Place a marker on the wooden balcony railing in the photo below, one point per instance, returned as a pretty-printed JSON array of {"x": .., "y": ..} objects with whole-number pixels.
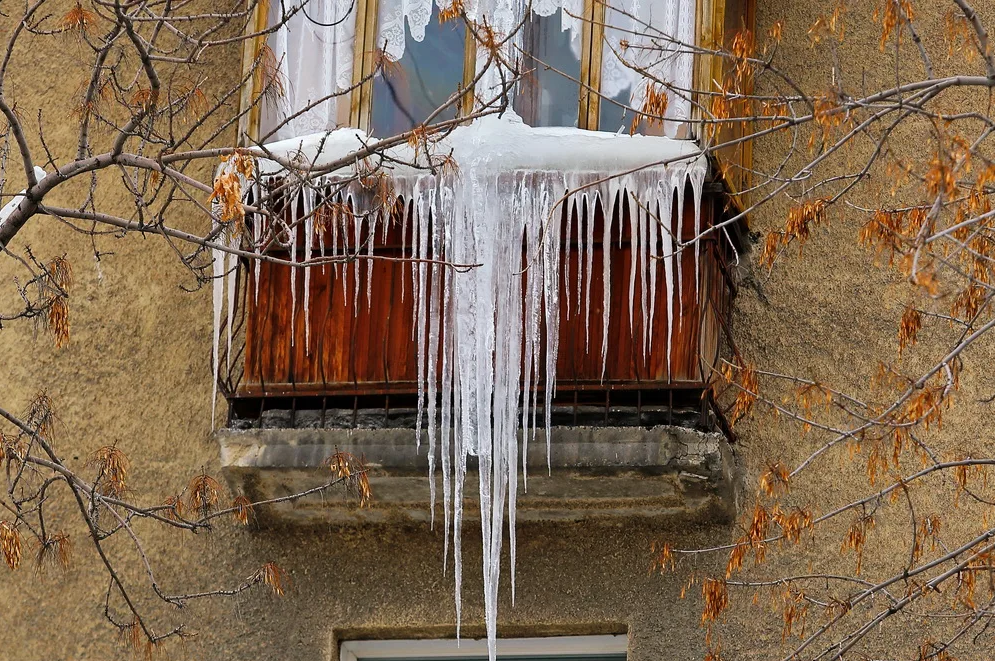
[{"x": 348, "y": 339}]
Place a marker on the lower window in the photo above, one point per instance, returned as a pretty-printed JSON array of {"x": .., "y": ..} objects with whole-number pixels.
[{"x": 563, "y": 648}]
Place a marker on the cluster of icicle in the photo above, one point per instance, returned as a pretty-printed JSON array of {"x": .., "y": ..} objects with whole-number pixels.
[{"x": 469, "y": 323}]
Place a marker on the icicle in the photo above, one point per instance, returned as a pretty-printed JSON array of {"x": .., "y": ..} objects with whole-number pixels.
[
  {"x": 257, "y": 238},
  {"x": 682, "y": 175},
  {"x": 218, "y": 263},
  {"x": 415, "y": 233},
  {"x": 666, "y": 210},
  {"x": 325, "y": 201},
  {"x": 293, "y": 268},
  {"x": 460, "y": 452},
  {"x": 634, "y": 214},
  {"x": 371, "y": 241},
  {"x": 697, "y": 176},
  {"x": 344, "y": 264},
  {"x": 420, "y": 211},
  {"x": 433, "y": 347},
  {"x": 608, "y": 208},
  {"x": 309, "y": 210},
  {"x": 654, "y": 219},
  {"x": 645, "y": 264},
  {"x": 533, "y": 279},
  {"x": 590, "y": 202},
  {"x": 678, "y": 227},
  {"x": 404, "y": 238},
  {"x": 231, "y": 274},
  {"x": 353, "y": 252},
  {"x": 447, "y": 341},
  {"x": 551, "y": 267},
  {"x": 335, "y": 218},
  {"x": 578, "y": 205},
  {"x": 567, "y": 234}
]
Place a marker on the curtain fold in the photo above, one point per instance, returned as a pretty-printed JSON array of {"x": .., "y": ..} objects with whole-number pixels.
[{"x": 314, "y": 53}]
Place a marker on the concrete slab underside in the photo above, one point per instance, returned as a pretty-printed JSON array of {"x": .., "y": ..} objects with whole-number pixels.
[{"x": 595, "y": 472}]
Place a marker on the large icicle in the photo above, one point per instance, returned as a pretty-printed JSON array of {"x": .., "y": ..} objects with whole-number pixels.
[
  {"x": 294, "y": 219},
  {"x": 218, "y": 263},
  {"x": 480, "y": 364},
  {"x": 608, "y": 205}
]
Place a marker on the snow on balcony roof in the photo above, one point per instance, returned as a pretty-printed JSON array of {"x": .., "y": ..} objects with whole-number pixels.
[{"x": 498, "y": 143}]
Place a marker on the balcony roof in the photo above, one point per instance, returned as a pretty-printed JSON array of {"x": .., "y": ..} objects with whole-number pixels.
[{"x": 490, "y": 143}]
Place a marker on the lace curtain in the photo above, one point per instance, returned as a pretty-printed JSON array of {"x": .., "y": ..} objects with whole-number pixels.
[
  {"x": 658, "y": 33},
  {"x": 315, "y": 50}
]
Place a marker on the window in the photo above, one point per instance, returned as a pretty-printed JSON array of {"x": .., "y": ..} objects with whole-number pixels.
[
  {"x": 549, "y": 94},
  {"x": 567, "y": 50},
  {"x": 573, "y": 648},
  {"x": 408, "y": 91},
  {"x": 570, "y": 52}
]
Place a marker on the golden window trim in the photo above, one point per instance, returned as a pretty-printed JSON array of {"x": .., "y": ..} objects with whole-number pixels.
[
  {"x": 363, "y": 63},
  {"x": 709, "y": 33},
  {"x": 249, "y": 108},
  {"x": 592, "y": 50}
]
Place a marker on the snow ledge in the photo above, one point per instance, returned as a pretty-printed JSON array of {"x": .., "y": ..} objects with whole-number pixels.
[{"x": 496, "y": 143}]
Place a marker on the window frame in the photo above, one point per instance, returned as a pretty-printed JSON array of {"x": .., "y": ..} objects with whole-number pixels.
[
  {"x": 359, "y": 650},
  {"x": 710, "y": 31},
  {"x": 367, "y": 13}
]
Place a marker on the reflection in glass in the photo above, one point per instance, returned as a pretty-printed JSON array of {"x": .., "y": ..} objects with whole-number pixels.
[
  {"x": 545, "y": 97},
  {"x": 615, "y": 115},
  {"x": 406, "y": 92}
]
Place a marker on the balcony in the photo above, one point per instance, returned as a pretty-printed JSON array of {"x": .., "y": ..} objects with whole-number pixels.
[{"x": 340, "y": 356}]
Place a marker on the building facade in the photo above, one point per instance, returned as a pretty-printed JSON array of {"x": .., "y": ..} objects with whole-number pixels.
[{"x": 636, "y": 459}]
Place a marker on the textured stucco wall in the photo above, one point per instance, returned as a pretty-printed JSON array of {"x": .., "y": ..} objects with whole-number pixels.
[
  {"x": 832, "y": 315},
  {"x": 136, "y": 373}
]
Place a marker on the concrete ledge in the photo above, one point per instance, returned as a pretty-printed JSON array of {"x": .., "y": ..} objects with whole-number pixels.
[{"x": 599, "y": 472}]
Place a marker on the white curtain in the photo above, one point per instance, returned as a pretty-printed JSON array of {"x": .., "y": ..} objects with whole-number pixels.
[
  {"x": 659, "y": 35},
  {"x": 314, "y": 49}
]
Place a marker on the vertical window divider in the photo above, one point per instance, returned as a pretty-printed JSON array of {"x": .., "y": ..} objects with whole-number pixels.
[
  {"x": 592, "y": 46},
  {"x": 709, "y": 34},
  {"x": 364, "y": 63},
  {"x": 248, "y": 122},
  {"x": 468, "y": 101}
]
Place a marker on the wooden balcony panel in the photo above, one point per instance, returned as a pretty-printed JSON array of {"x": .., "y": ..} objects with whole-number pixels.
[{"x": 365, "y": 345}]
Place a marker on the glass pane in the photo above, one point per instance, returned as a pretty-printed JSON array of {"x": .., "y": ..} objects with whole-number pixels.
[
  {"x": 558, "y": 657},
  {"x": 428, "y": 73},
  {"x": 546, "y": 97},
  {"x": 630, "y": 46},
  {"x": 615, "y": 115}
]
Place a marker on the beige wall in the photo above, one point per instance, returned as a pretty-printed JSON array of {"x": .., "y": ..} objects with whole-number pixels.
[{"x": 137, "y": 374}]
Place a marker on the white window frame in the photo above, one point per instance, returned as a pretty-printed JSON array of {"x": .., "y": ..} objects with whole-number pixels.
[{"x": 360, "y": 650}]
